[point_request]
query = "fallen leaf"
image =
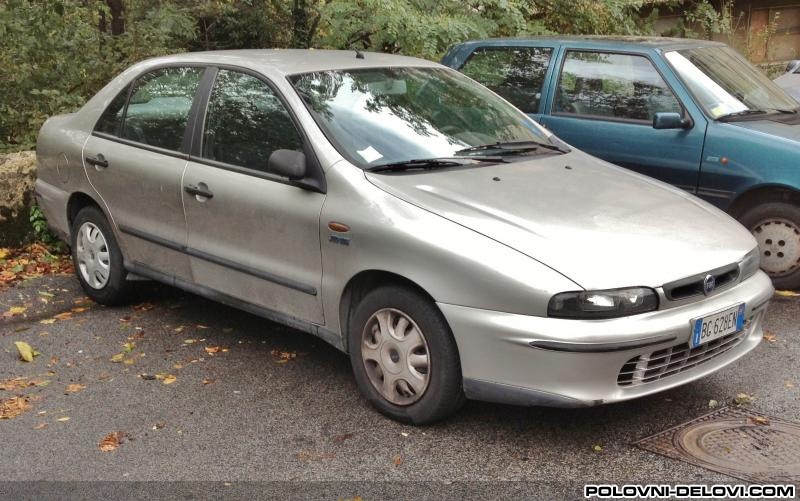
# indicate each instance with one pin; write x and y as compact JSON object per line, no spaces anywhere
{"x":213,"y":349}
{"x":159,"y":425}
{"x":743,"y":399}
{"x":40,"y":426}
{"x":13,"y":407}
{"x":63,"y":419}
{"x":46,"y":294}
{"x":201,"y":326}
{"x":129,"y":361}
{"x":208,"y":381}
{"x":63,"y":316}
{"x":787,"y":294}
{"x":597,"y":448}
{"x":128,"y":347}
{"x":179,"y":328}
{"x":125,"y":319}
{"x":788,"y":384}
{"x":14,"y":310}
{"x":20,"y":383}
{"x":26,"y":353}
{"x":189,"y":341}
{"x":398,"y":460}
{"x":759,"y":420}
{"x":769,"y":337}
{"x":713,"y":404}
{"x":4,"y":253}
{"x":117,"y":358}
{"x":283,"y":356}
{"x":148,"y":377}
{"x":342,"y":437}
{"x":79,"y":309}
{"x":112,"y":441}
{"x":143,"y":307}
{"x":48,"y":321}
{"x":169,"y":379}
{"x":74,"y":388}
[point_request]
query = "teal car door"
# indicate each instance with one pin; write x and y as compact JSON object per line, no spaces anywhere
{"x":604,"y":102}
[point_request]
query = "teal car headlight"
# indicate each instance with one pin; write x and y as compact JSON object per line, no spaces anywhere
{"x":750,"y":264}
{"x":599,"y":304}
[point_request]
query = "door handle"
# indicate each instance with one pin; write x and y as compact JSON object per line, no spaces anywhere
{"x":98,"y":161}
{"x":198,"y":191}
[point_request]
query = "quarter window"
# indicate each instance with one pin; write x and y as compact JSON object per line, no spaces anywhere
{"x":111,"y":119}
{"x":159,"y":106}
{"x":246,"y":122}
{"x":616,"y":86}
{"x":516,"y":73}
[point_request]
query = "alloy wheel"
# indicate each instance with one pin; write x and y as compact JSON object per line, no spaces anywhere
{"x":94,"y":259}
{"x":396,"y":356}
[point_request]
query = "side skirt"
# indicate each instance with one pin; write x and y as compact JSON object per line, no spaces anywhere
{"x":321,"y":332}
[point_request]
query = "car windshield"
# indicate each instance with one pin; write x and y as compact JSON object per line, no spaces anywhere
{"x":725,"y":84}
{"x":382,"y":116}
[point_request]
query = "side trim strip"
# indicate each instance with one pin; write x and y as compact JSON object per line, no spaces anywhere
{"x":599,"y":347}
{"x":286,"y":282}
{"x":321,"y":332}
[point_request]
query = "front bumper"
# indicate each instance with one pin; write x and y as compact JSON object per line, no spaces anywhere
{"x":526,"y":360}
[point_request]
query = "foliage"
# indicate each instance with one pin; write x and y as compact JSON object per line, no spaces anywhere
{"x":41,"y":231}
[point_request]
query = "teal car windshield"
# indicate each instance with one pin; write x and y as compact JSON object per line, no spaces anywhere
{"x":725,"y":84}
{"x":381,"y":116}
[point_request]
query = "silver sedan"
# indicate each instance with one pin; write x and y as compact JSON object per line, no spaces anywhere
{"x":406,"y":215}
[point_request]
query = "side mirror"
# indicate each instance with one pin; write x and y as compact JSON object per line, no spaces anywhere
{"x":287,"y":163}
{"x":669,"y":120}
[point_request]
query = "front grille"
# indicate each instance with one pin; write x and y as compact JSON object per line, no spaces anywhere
{"x":651,"y":367}
{"x":693,"y":286}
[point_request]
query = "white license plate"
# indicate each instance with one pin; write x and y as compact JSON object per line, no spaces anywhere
{"x":717,"y":325}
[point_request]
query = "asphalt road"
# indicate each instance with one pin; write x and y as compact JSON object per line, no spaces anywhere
{"x":274,"y":404}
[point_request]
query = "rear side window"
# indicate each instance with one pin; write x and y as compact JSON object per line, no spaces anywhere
{"x":110,"y":121}
{"x":516,"y":73}
{"x":159,"y":106}
{"x":246,"y":122}
{"x":614,"y":86}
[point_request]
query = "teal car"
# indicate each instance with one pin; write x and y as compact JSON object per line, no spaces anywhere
{"x":692,"y":113}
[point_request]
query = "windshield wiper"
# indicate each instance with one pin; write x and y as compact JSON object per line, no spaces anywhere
{"x":754,"y":111}
{"x":512,"y":147}
{"x":431,"y":163}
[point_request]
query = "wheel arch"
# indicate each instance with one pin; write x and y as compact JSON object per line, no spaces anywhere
{"x":77,"y":201}
{"x":363,"y":282}
{"x":762,"y":194}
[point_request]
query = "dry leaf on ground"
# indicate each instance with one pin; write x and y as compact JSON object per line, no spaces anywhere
{"x":19,"y":383}
{"x":398,"y":460}
{"x":743,"y":399}
{"x":26,"y":353}
{"x":759,"y":420}
{"x":112,"y":441}
{"x":13,"y":407}
{"x":169,"y":379}
{"x":74,"y":388}
{"x":13,"y":311}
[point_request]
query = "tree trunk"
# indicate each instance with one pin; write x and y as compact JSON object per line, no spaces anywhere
{"x":299,"y":25}
{"x":117,"y":9}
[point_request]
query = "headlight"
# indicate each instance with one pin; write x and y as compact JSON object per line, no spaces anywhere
{"x":750,"y":264}
{"x":603,"y":304}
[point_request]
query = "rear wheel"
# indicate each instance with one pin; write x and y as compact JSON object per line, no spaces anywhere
{"x":404,"y":357}
{"x":97,"y":258}
{"x":776,"y":227}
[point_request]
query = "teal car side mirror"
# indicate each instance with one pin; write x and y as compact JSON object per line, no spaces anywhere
{"x":669,"y":120}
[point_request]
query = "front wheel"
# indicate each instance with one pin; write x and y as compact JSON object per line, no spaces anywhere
{"x":776,"y":226}
{"x":97,"y":258}
{"x":405,"y":360}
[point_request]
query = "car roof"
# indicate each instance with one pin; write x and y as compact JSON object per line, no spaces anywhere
{"x":603,"y":41}
{"x":291,"y":61}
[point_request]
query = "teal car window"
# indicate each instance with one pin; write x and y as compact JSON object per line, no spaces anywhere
{"x":724,"y":83}
{"x":159,"y":106}
{"x":613,"y":86}
{"x":378,"y":116}
{"x":516,"y":73}
{"x":110,"y":121}
{"x":246,"y":122}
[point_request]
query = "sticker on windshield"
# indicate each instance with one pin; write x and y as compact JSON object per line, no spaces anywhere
{"x":369,"y":154}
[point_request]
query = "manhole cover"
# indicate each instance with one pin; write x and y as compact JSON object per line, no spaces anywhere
{"x":741,"y":443}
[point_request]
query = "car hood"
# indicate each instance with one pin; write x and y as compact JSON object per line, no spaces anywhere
{"x":598,"y":224}
{"x":789,"y":131}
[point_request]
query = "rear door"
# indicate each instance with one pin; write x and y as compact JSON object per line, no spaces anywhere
{"x":516,"y":73}
{"x":135,"y":159}
{"x":254,"y":236}
{"x":603,"y":102}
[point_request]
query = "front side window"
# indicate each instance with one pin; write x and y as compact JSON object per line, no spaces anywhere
{"x":516,"y":73}
{"x":612,"y":86}
{"x":159,"y":106}
{"x":246,"y":122}
{"x":378,"y":116}
{"x":724,"y":84}
{"x":110,"y":121}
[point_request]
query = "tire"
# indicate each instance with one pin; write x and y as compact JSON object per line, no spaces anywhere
{"x":776,"y":226}
{"x":401,"y":352}
{"x":90,"y":266}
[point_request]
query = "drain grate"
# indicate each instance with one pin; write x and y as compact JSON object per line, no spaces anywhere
{"x":741,"y":443}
